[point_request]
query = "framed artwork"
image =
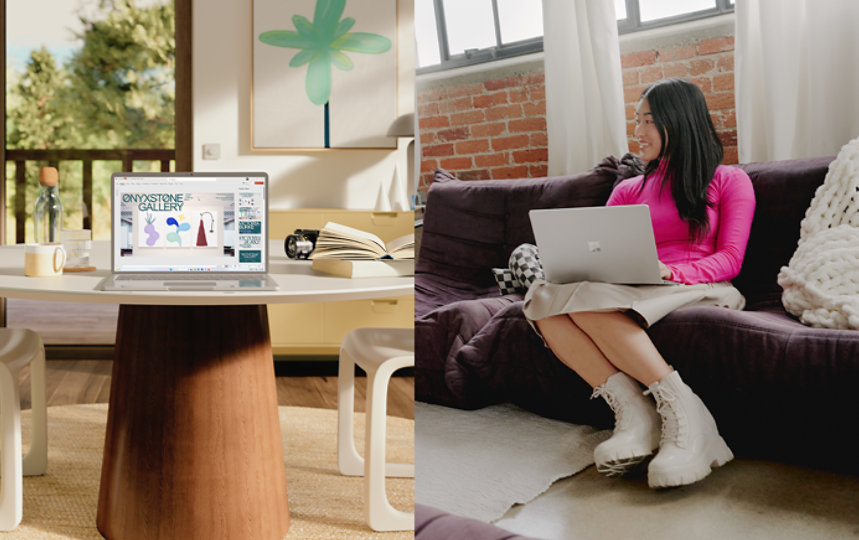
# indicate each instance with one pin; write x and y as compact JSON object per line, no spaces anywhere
{"x":324,"y":74}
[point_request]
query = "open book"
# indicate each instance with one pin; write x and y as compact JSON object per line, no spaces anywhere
{"x":338,"y":241}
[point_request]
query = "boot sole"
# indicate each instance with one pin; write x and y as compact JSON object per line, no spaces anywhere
{"x":620,"y":467}
{"x":717,"y":455}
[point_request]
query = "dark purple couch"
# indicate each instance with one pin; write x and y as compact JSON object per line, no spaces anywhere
{"x":778,"y":389}
{"x":434,"y":524}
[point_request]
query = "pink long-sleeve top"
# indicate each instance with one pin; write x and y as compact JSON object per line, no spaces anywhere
{"x":719,"y":255}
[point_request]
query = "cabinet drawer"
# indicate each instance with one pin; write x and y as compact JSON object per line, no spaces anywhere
{"x":343,"y":317}
{"x":296,"y":324}
{"x":385,"y":225}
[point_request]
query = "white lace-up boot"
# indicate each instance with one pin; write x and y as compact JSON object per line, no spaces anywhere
{"x":636,"y":426}
{"x":691,"y":445}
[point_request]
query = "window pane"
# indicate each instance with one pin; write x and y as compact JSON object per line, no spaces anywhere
{"x":520,"y":20}
{"x":426,"y":35}
{"x":470,"y":25}
{"x":658,"y":9}
{"x":620,"y":9}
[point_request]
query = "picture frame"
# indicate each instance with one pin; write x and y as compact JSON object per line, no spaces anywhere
{"x":324,"y":74}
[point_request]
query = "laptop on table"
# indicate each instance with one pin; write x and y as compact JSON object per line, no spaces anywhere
{"x":189,"y":231}
{"x":612,"y":244}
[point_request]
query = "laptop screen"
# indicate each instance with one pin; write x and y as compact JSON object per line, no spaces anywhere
{"x":189,"y":222}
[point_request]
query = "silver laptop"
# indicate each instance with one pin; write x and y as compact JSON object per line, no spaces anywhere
{"x":189,"y":232}
{"x":611,"y":244}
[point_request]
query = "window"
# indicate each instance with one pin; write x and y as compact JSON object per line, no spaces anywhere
{"x":636,"y":15}
{"x":456,"y":33}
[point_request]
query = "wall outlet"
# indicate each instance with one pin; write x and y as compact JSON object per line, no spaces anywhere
{"x":212,"y":151}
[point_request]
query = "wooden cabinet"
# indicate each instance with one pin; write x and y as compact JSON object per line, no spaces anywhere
{"x":319,"y":328}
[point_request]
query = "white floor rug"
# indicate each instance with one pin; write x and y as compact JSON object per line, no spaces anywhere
{"x":480,"y":463}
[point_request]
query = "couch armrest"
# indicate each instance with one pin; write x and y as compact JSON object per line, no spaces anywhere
{"x":472,"y":226}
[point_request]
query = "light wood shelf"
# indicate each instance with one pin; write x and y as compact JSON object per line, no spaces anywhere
{"x":317,"y":329}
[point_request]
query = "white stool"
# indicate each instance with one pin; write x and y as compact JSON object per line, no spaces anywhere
{"x":18,"y":348}
{"x":379,"y":352}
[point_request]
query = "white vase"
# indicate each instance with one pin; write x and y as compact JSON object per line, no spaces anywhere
{"x":383,"y":204}
{"x":397,"y":195}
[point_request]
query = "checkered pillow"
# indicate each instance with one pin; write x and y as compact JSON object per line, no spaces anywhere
{"x":507,"y":282}
{"x":525,"y":264}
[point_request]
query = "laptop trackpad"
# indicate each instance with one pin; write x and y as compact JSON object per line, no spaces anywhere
{"x":189,"y":285}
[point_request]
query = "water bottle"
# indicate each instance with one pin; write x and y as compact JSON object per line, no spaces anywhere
{"x":48,"y":211}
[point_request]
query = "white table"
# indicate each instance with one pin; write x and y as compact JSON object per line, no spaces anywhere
{"x":193,"y":446}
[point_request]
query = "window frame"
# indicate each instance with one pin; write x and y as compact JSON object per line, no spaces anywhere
{"x":632,"y":23}
{"x":477,"y":56}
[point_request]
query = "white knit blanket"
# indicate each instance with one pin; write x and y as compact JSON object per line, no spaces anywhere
{"x":821,"y":281}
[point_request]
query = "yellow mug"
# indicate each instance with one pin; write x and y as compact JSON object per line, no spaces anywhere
{"x":44,"y":260}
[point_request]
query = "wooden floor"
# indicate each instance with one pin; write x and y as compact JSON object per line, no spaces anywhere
{"x":71,"y":382}
{"x":87,"y":380}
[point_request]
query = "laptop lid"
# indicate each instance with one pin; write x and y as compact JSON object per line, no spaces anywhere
{"x":613,"y":244}
{"x":189,"y":222}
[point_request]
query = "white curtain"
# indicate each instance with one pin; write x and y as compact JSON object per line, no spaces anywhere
{"x":584,"y":87}
{"x":796,"y":77}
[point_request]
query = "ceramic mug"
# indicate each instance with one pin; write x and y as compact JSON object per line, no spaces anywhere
{"x":44,"y":260}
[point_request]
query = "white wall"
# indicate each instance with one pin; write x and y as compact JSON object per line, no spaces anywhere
{"x":300,"y":179}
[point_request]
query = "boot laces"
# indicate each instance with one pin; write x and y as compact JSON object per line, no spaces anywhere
{"x":615,"y":404}
{"x":674,"y":422}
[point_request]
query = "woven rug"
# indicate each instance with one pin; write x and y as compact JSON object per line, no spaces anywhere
{"x":480,"y":463}
{"x":322,"y":503}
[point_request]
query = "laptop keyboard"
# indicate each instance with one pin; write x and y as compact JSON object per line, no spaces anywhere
{"x":186,"y":277}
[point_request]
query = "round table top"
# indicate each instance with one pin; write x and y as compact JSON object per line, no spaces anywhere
{"x":296,"y":280}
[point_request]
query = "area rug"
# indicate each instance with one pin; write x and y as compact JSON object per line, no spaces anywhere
{"x":322,"y":503}
{"x":480,"y":463}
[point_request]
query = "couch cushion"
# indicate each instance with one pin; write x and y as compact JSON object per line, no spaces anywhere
{"x":440,"y":333}
{"x":470,"y":227}
{"x":434,"y":524}
{"x":783,"y":190}
{"x":776,"y":387}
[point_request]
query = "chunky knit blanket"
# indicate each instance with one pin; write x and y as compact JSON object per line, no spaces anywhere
{"x":821,"y":281}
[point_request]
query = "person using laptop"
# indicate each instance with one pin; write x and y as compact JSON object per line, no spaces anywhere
{"x":701,"y":213}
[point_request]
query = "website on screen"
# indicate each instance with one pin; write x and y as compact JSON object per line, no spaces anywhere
{"x":189,"y":224}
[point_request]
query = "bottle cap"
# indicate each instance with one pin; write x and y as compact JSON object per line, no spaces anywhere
{"x":48,"y":176}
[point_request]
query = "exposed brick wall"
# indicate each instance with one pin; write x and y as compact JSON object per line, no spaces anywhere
{"x":708,"y":63}
{"x":496,"y":128}
{"x":479,"y":130}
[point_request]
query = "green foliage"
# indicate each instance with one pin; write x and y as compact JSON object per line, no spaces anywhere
{"x":117,"y":91}
{"x":38,"y":117}
{"x":123,"y":77}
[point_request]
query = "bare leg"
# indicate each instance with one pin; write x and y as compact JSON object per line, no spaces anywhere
{"x":575,"y":349}
{"x":637,"y":426}
{"x":624,"y":343}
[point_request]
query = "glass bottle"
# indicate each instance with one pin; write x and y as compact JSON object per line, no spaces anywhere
{"x":48,"y":210}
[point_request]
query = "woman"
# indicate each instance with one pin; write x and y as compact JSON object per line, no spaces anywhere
{"x":702,"y":213}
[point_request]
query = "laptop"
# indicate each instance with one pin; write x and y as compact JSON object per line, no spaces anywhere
{"x":189,"y":231}
{"x":612,"y":244}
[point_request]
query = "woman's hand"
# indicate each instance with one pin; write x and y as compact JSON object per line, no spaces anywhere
{"x":664,"y":271}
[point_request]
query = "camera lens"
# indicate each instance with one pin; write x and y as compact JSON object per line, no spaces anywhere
{"x":298,"y":247}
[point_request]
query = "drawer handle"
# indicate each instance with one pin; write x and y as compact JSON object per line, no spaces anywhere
{"x":383,"y":218}
{"x":385,"y":305}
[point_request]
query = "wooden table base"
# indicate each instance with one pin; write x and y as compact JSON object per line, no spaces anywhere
{"x":193,"y":446}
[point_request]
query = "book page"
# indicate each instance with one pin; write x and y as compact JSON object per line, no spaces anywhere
{"x":338,"y":241}
{"x":342,"y":231}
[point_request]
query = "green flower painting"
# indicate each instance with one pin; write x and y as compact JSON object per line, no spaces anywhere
{"x":323,"y":44}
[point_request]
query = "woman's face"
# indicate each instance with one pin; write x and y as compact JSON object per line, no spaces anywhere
{"x":648,"y":137}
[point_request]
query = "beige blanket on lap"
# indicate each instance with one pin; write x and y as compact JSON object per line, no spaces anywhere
{"x":821,"y":281}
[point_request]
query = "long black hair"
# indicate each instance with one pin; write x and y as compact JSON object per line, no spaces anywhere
{"x":691,"y":149}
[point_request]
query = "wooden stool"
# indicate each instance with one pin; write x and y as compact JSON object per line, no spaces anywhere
{"x":20,"y":347}
{"x":379,"y":352}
